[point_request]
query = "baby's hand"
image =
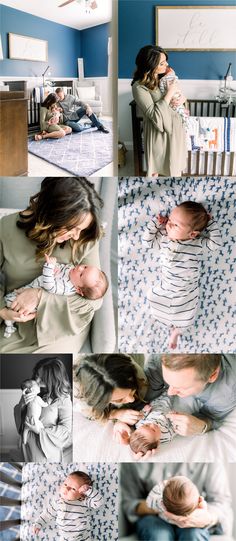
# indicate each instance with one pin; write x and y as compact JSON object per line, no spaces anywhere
{"x":162,"y":219}
{"x":147,"y":408}
{"x":50,"y":260}
{"x":202,"y":504}
{"x":36,"y":529}
{"x":84,"y":488}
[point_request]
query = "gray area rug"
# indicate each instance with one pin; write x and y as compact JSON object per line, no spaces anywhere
{"x":81,"y":154}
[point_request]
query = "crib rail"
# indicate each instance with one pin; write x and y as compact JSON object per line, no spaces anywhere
{"x":200,"y":162}
{"x":211,"y":108}
{"x":8,"y":480}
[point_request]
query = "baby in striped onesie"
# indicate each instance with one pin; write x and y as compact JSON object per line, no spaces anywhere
{"x":71,"y":510}
{"x":164,"y":84}
{"x":177,"y":495}
{"x":181,"y":239}
{"x":87,"y":281}
{"x":152,"y":430}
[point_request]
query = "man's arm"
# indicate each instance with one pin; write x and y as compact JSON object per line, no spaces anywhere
{"x":153,"y":372}
{"x":133,"y":491}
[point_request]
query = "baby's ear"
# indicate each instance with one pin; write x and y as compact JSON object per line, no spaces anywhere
{"x":194,"y":234}
{"x":79,"y":290}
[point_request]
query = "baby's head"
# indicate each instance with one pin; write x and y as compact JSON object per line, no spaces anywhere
{"x":186,"y":221}
{"x":30,"y":386}
{"x":145,"y":438}
{"x":70,"y":488}
{"x":89,"y":281}
{"x":54,"y":108}
{"x":180,"y":496}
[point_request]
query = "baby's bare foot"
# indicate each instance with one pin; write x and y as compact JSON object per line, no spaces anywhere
{"x":174,"y":335}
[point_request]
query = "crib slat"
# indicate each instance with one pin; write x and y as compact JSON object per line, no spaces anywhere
{"x":9,"y":480}
{"x":223,"y":163}
{"x":6,"y":524}
{"x":16,"y":465}
{"x":9,"y":502}
{"x":206,"y":163}
{"x":214,"y":163}
{"x":198,"y":162}
{"x":189,"y":162}
{"x":231,"y":164}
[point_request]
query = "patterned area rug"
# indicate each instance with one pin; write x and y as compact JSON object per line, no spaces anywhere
{"x":81,"y":154}
{"x":141,"y":199}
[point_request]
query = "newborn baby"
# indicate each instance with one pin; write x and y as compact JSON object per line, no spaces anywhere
{"x":154,"y":429}
{"x":177,"y":495}
{"x":164,"y":84}
{"x":34,"y":408}
{"x":180,"y":239}
{"x":61,"y":279}
{"x":70,"y":511}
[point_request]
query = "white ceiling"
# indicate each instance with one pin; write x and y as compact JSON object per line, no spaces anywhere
{"x":72,"y":15}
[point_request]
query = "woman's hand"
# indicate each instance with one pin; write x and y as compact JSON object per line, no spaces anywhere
{"x":27,"y":301}
{"x":176,"y":102}
{"x":27,"y":398}
{"x":149,"y":454}
{"x":128,"y":416}
{"x":173,"y":87}
{"x":31,"y":427}
{"x":12,"y":315}
{"x":121,"y":433}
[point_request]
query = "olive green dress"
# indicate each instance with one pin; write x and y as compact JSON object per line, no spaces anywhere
{"x":45,"y":115}
{"x":164,"y":133}
{"x":62,"y":322}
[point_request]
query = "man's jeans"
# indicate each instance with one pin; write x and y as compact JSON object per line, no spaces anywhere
{"x":153,"y":528}
{"x":78,"y":126}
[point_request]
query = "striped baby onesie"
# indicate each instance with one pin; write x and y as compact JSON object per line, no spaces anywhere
{"x":154,"y":498}
{"x":71,"y":517}
{"x":58,"y":283}
{"x":160,"y":406}
{"x":174,"y":299}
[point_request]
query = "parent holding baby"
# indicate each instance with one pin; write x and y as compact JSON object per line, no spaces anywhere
{"x":203,"y":383}
{"x":215,"y":517}
{"x":164,"y":132}
{"x":63,"y":220}
{"x":51,"y":126}
{"x":52,"y":441}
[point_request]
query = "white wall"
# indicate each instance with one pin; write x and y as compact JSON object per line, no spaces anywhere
{"x":192,"y":89}
{"x":9,"y":434}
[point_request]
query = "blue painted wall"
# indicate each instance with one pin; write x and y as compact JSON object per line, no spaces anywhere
{"x":65,"y":45}
{"x":94,"y":50}
{"x":137,"y":28}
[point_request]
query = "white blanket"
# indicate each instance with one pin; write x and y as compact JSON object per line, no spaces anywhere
{"x":93,"y":442}
{"x":141,"y":199}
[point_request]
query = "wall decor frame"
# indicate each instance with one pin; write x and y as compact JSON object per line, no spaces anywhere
{"x":196,"y":28}
{"x":27,"y":48}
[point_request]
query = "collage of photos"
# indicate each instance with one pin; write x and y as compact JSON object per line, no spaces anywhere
{"x":118,"y":270}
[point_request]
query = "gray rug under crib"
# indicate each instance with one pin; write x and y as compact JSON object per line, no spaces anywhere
{"x":81,"y":154}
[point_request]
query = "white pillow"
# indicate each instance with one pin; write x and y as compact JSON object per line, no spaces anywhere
{"x":86,"y":92}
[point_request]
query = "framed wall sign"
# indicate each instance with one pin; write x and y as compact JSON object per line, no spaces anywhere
{"x":27,"y":48}
{"x":196,"y":28}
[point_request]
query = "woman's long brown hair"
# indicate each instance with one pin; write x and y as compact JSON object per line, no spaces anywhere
{"x":61,"y":204}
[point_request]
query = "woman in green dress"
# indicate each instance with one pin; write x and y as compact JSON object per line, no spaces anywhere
{"x":164,"y":133}
{"x":49,"y":128}
{"x":62,"y":220}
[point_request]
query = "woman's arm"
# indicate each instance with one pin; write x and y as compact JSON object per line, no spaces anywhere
{"x":58,"y":435}
{"x":158,"y":112}
{"x":43,"y":122}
